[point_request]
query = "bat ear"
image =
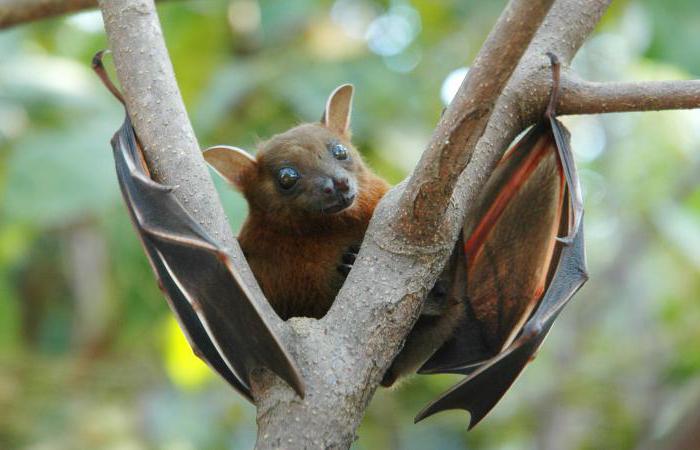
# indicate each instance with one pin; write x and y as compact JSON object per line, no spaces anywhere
{"x":338,"y":109}
{"x":231,"y":163}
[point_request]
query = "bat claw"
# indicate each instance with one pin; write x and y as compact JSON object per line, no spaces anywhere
{"x":439,"y":290}
{"x":388,"y":379}
{"x":344,"y":269}
{"x":99,"y":68}
{"x":348,"y":259}
{"x":566,"y":240}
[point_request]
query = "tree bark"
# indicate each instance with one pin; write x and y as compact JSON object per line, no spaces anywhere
{"x":158,"y":112}
{"x":586,"y":97}
{"x":429,"y":189}
{"x":352,"y":346}
{"x":161,"y":122}
{"x":15,"y":12}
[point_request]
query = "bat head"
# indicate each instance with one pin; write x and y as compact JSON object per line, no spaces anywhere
{"x":309,"y":172}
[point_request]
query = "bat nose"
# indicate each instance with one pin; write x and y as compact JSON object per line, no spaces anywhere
{"x":328,"y":187}
{"x":336,"y":185}
{"x":342,"y":184}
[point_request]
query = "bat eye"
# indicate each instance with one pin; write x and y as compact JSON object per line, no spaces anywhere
{"x":287,"y":177}
{"x":339,"y":151}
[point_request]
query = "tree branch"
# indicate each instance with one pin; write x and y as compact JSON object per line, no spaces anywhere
{"x":344,"y":355}
{"x":161,"y":122}
{"x":429,"y":189}
{"x":157,"y":111}
{"x":586,"y":97}
{"x":16,"y":12}
{"x":525,"y":97}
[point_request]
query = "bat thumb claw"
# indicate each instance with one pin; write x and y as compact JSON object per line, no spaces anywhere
{"x":553,"y":59}
{"x":101,"y":72}
{"x":566,"y":240}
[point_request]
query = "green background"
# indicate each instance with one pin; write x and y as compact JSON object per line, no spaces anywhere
{"x":90,"y":356}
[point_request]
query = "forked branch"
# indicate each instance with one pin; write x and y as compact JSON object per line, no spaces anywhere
{"x":425,"y":200}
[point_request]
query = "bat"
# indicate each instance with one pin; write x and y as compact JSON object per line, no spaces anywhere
{"x":217,"y":307}
{"x":515,"y":272}
{"x":518,"y":262}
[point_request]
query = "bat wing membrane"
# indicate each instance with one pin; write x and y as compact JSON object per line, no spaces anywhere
{"x":217,"y":305}
{"x":519,"y":272}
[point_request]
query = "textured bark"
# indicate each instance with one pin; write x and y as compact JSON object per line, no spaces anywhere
{"x":380,"y":300}
{"x":344,"y":355}
{"x":525,"y":97}
{"x":429,"y":189}
{"x":586,"y":97}
{"x":158,"y":112}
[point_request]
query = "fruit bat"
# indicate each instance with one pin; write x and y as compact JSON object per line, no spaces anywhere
{"x":518,"y":262}
{"x":218,"y":308}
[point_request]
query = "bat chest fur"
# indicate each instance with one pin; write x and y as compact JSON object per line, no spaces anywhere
{"x":298,"y":274}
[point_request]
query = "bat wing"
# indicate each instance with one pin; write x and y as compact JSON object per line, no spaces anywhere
{"x":217,"y":303}
{"x":519,"y":272}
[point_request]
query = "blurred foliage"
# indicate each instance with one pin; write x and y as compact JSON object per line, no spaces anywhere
{"x":90,"y":357}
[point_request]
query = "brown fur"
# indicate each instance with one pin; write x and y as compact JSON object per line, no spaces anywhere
{"x":293,"y":253}
{"x":293,"y":247}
